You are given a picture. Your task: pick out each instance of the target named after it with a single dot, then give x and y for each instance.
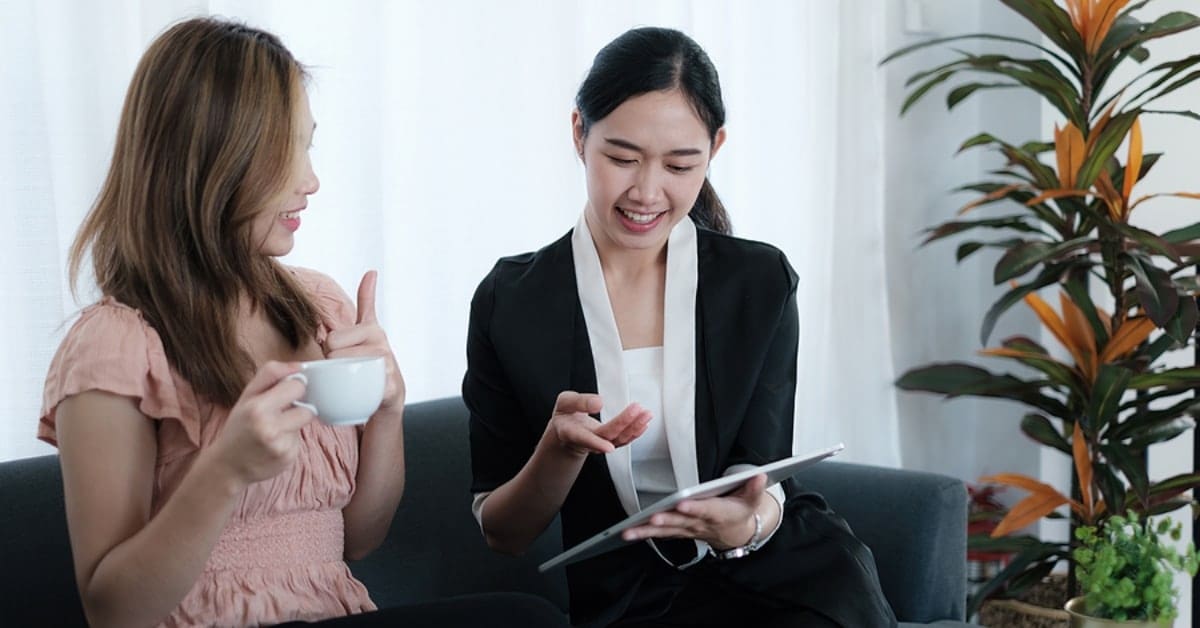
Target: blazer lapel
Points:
(607, 356)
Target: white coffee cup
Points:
(342, 391)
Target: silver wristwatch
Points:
(739, 552)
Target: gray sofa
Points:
(914, 522)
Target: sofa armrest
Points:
(916, 526)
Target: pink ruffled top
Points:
(280, 556)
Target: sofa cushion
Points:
(434, 548)
(38, 575)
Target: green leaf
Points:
(986, 36)
(1183, 113)
(960, 93)
(954, 379)
(918, 93)
(1144, 423)
(1162, 432)
(1111, 487)
(1050, 274)
(1016, 223)
(983, 139)
(1174, 379)
(1152, 242)
(1040, 429)
(1106, 144)
(1052, 21)
(1165, 506)
(1155, 291)
(1174, 22)
(966, 249)
(1132, 464)
(1181, 482)
(1183, 325)
(1173, 68)
(1184, 234)
(1110, 385)
(1025, 257)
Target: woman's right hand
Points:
(572, 430)
(261, 437)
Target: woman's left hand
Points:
(366, 338)
(722, 522)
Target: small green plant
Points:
(1125, 570)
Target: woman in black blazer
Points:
(682, 339)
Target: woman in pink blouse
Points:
(196, 492)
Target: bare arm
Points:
(133, 569)
(516, 512)
(379, 481)
(379, 484)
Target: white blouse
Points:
(653, 475)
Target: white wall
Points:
(939, 304)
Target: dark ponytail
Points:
(654, 59)
(709, 211)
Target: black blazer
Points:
(528, 342)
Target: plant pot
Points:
(1075, 608)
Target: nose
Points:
(647, 187)
(310, 183)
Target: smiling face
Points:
(276, 226)
(645, 164)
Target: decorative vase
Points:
(1075, 608)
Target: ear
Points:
(577, 132)
(718, 141)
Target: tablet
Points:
(610, 538)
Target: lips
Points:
(291, 219)
(639, 222)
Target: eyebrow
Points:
(678, 152)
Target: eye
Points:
(680, 169)
(621, 162)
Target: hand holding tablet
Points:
(610, 538)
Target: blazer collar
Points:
(679, 353)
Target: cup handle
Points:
(300, 377)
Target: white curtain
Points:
(443, 143)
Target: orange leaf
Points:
(1077, 9)
(1049, 194)
(1083, 469)
(990, 196)
(1192, 195)
(1005, 352)
(1131, 334)
(1069, 151)
(1079, 330)
(1133, 165)
(1107, 191)
(1102, 22)
(1021, 481)
(1052, 322)
(1027, 511)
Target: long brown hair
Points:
(205, 139)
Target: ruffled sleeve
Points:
(112, 349)
(337, 310)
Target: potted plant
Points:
(1125, 573)
(1059, 213)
